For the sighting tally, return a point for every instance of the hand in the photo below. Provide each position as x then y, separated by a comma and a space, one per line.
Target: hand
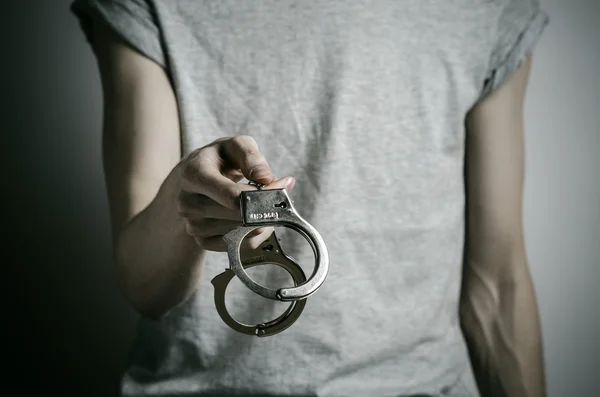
209, 195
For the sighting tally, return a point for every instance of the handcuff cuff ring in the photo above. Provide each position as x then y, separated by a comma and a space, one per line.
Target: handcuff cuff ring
269, 252
273, 207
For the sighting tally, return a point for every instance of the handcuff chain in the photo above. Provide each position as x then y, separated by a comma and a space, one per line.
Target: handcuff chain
257, 185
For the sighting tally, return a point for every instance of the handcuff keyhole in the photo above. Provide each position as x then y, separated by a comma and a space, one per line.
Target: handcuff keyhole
268, 247
283, 204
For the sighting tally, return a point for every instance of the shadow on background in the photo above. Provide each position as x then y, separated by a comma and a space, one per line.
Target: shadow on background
68, 329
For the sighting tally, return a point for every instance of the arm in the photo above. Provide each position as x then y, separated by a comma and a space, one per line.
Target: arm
498, 308
166, 211
158, 264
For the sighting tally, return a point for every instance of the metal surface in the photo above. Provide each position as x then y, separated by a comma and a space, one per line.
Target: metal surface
261, 208
269, 252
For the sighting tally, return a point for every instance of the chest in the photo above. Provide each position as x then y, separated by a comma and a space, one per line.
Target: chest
297, 72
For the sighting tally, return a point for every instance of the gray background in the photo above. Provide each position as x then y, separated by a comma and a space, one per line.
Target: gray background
66, 327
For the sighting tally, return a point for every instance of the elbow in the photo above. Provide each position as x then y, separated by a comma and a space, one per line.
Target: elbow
135, 287
140, 299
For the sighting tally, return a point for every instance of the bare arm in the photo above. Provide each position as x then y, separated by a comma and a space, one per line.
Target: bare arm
158, 264
498, 308
166, 211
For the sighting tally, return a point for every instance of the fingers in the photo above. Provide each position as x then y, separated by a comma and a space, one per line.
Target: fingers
209, 227
209, 196
287, 183
217, 244
217, 228
234, 175
207, 221
213, 170
202, 175
242, 153
196, 207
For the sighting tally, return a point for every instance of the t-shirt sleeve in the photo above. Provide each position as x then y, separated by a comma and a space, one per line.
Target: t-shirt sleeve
134, 21
519, 26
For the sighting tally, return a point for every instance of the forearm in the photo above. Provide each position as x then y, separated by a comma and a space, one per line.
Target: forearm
158, 264
500, 321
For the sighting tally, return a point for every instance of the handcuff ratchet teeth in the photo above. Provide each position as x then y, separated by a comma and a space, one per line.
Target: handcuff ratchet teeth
261, 208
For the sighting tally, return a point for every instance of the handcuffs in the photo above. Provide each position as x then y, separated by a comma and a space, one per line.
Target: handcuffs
261, 208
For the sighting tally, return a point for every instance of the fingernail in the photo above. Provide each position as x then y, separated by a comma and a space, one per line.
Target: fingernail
260, 172
290, 183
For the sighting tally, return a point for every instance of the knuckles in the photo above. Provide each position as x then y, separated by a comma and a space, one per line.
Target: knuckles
191, 229
203, 243
211, 244
244, 142
187, 209
197, 228
231, 195
191, 175
195, 176
182, 205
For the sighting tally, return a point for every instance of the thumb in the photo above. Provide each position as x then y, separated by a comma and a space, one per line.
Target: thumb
287, 183
241, 152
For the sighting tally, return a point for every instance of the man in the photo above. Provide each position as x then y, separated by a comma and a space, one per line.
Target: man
374, 110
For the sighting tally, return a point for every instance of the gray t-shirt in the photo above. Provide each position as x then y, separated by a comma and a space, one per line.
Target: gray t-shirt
364, 103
